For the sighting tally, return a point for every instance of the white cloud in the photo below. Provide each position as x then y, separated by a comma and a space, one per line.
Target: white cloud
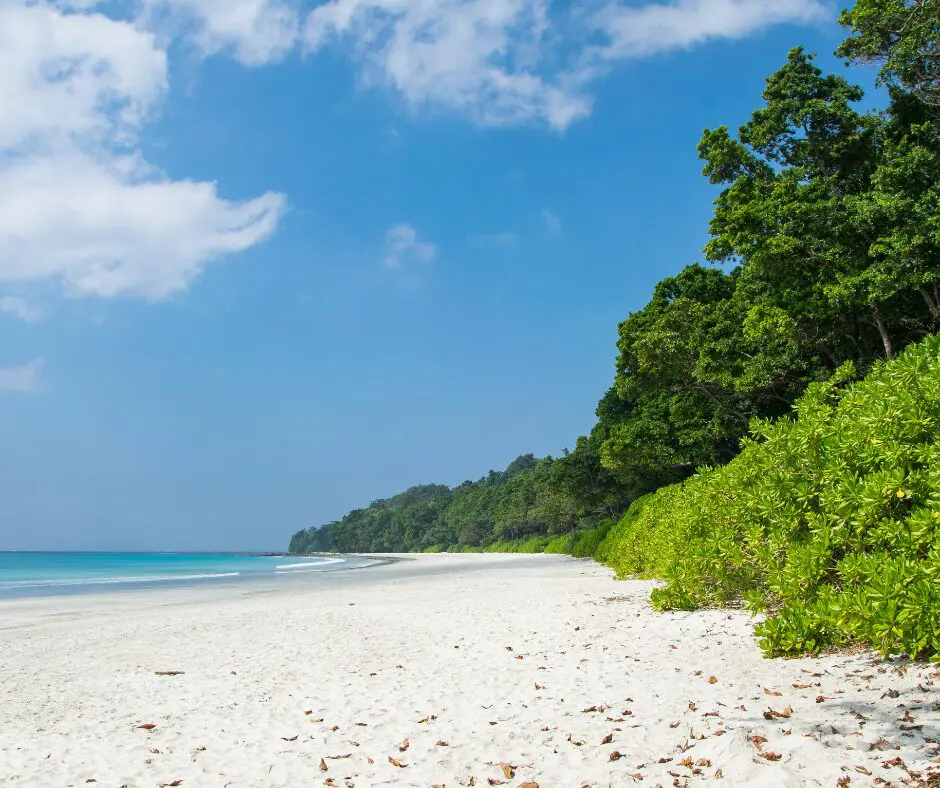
19, 308
552, 222
639, 31
78, 204
402, 245
479, 57
503, 61
112, 227
254, 31
24, 378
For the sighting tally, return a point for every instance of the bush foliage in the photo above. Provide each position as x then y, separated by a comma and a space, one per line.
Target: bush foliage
829, 522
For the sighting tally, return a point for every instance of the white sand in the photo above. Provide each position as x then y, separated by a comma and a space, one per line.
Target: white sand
498, 656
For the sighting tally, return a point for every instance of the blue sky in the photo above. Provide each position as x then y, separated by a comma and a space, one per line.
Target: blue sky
262, 262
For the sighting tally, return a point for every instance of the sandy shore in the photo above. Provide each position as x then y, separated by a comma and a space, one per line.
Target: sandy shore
465, 669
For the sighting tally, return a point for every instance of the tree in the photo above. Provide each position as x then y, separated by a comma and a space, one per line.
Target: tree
903, 37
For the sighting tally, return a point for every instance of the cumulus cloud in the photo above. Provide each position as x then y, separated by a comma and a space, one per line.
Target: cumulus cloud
24, 378
479, 57
19, 308
402, 245
254, 31
78, 204
638, 31
501, 61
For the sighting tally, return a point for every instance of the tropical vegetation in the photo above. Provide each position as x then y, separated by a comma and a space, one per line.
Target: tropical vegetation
770, 435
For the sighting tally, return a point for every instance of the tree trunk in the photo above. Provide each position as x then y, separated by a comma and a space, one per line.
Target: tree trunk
883, 330
932, 304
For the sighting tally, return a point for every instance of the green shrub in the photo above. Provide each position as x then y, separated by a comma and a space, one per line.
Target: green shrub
829, 522
586, 542
560, 545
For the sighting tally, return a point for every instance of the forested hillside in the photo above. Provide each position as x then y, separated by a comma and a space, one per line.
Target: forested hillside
823, 261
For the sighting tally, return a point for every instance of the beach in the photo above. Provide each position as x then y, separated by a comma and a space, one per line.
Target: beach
454, 670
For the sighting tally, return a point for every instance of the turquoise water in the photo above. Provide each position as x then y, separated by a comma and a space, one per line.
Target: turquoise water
37, 574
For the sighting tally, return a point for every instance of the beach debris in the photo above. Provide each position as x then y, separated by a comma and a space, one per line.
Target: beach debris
590, 709
863, 770
893, 762
339, 757
508, 769
719, 774
494, 781
288, 738
575, 742
539, 686
529, 785
770, 714
703, 762
427, 719
354, 743
713, 679
820, 698
757, 741
881, 744
370, 761
692, 706
675, 724
607, 739
147, 726
334, 728
775, 693
173, 784
615, 756
169, 672
519, 656
441, 743
771, 756
804, 686
318, 719
404, 745
664, 760
323, 766
329, 781
399, 764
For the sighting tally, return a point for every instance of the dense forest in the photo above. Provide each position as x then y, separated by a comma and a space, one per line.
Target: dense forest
823, 265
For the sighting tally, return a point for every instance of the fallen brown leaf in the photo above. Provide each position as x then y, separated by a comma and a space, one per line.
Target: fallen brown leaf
288, 738
540, 686
757, 741
508, 770
339, 757
399, 764
772, 692
771, 756
169, 673
323, 766
607, 739
442, 743
614, 756
819, 698
703, 762
494, 781
692, 706
147, 726
529, 785
174, 784
893, 762
862, 770
713, 679
404, 745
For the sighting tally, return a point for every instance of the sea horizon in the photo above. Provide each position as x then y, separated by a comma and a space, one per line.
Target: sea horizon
28, 573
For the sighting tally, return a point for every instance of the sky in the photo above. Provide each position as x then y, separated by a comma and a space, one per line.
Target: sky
265, 261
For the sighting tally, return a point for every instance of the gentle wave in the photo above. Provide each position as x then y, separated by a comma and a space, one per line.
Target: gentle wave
87, 581
321, 562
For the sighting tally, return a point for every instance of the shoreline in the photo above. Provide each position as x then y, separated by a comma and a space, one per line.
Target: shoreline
452, 665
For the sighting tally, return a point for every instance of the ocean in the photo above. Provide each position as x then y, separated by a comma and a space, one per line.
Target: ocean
42, 574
